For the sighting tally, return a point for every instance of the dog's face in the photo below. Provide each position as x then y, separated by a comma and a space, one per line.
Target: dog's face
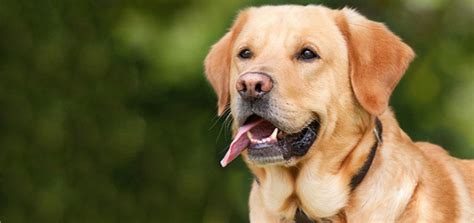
300, 61
293, 75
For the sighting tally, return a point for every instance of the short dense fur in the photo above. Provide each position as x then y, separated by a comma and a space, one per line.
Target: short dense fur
361, 63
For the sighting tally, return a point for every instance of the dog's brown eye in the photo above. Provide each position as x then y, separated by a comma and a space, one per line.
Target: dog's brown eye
245, 54
307, 55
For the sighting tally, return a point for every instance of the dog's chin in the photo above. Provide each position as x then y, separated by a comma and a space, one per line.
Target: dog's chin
281, 148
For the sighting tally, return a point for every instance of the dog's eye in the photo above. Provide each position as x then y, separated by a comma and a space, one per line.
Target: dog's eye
245, 54
307, 55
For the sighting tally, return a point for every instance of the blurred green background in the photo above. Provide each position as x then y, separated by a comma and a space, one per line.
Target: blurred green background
105, 114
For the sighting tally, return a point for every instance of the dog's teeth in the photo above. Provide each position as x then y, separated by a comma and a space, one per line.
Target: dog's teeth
274, 134
249, 135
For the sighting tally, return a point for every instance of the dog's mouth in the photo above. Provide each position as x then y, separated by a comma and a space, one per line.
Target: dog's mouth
267, 144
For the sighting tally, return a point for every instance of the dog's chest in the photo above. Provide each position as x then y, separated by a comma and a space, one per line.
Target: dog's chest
321, 195
318, 196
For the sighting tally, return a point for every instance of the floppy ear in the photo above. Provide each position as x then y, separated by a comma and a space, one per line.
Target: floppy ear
217, 62
377, 59
217, 68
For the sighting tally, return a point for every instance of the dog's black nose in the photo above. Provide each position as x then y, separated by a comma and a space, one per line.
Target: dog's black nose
254, 85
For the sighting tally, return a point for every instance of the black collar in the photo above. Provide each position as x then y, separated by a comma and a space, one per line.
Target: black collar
301, 217
357, 179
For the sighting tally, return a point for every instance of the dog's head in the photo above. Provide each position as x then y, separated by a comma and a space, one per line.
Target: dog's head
293, 75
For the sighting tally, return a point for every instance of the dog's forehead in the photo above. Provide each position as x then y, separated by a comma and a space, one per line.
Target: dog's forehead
287, 24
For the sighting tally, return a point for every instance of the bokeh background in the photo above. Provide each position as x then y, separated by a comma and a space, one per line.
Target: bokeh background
105, 114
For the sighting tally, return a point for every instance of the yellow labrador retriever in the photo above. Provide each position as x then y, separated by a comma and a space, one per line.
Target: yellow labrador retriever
308, 89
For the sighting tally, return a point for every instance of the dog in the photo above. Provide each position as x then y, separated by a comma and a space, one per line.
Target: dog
308, 89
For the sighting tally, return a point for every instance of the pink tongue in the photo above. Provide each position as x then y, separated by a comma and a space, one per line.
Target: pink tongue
240, 142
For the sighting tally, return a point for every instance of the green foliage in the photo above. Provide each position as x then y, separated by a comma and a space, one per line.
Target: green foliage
106, 116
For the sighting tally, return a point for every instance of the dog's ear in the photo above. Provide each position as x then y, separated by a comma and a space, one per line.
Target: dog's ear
377, 59
218, 61
217, 68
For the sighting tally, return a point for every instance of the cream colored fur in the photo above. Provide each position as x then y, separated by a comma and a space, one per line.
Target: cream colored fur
361, 63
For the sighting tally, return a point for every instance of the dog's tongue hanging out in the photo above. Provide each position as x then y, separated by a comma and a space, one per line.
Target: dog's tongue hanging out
258, 129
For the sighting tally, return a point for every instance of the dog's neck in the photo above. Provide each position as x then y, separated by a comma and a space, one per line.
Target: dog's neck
321, 186
300, 215
357, 178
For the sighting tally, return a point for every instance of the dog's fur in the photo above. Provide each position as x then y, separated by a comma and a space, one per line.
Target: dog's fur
361, 63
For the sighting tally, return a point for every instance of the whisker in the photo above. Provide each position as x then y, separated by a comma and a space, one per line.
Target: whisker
217, 118
214, 122
228, 123
225, 114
